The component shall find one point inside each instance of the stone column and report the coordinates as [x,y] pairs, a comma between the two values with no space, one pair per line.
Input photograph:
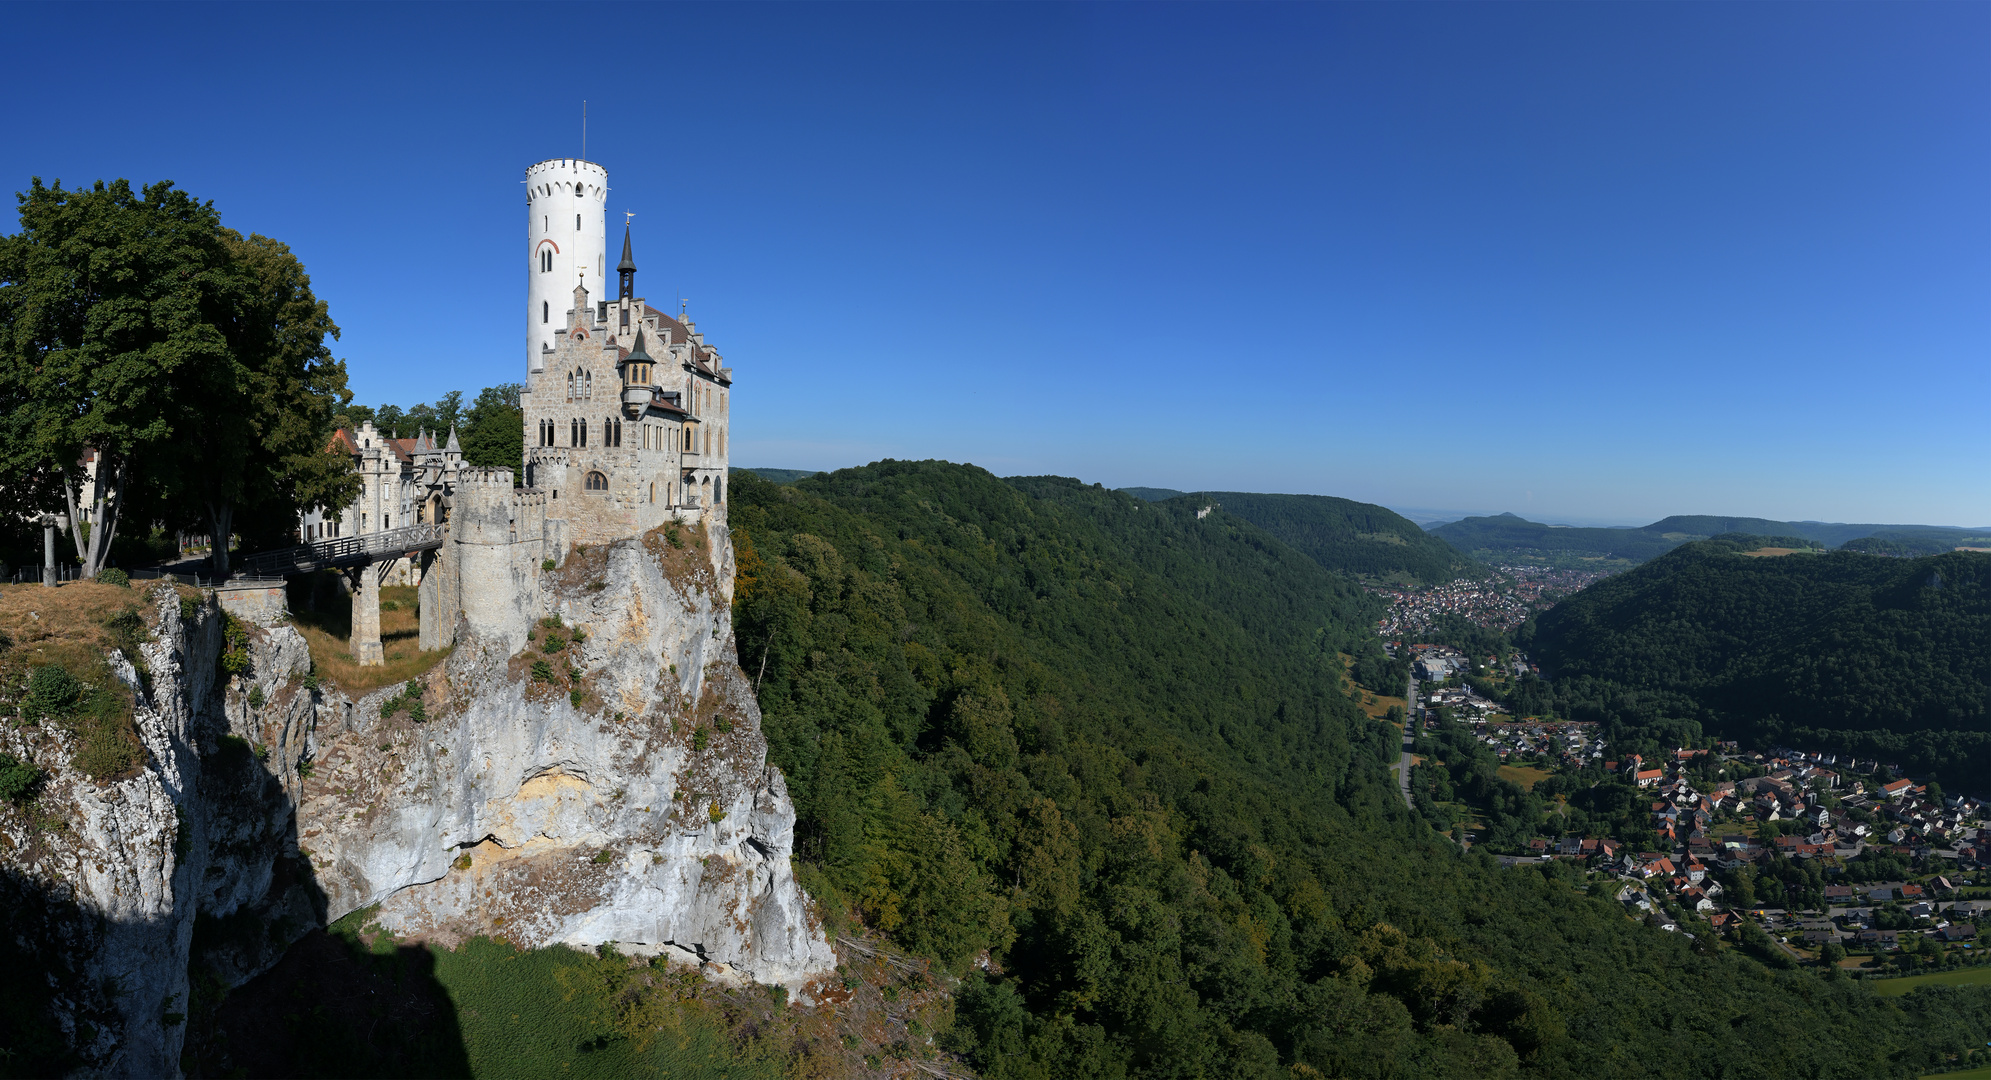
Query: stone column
[366,647]
[48,552]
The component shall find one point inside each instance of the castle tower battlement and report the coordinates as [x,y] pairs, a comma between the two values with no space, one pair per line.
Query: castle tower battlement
[566,200]
[483,510]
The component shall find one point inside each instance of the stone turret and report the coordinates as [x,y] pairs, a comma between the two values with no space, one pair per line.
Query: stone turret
[497,561]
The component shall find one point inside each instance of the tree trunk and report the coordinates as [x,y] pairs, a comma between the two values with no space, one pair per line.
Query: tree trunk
[104,512]
[222,517]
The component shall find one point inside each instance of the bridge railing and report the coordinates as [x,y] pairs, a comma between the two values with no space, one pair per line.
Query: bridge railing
[345,551]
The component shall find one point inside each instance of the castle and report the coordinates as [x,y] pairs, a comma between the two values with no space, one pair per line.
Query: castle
[626,416]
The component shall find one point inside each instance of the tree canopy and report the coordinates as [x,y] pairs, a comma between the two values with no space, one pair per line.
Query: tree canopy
[189,361]
[1103,743]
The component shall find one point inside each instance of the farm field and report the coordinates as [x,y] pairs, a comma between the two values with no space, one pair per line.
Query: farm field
[1374,706]
[1524,775]
[1974,976]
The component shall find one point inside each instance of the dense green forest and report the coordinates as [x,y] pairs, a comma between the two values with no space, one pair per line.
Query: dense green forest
[1352,537]
[1909,543]
[1880,657]
[1508,538]
[1152,494]
[1104,745]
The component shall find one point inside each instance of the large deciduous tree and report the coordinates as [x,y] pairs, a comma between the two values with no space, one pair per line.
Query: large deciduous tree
[257,449]
[110,300]
[188,360]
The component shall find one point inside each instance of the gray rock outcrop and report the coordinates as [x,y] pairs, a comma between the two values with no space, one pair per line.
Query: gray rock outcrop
[614,790]
[636,809]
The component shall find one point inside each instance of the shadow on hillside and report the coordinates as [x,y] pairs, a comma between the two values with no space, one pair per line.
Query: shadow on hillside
[33,926]
[324,1003]
[333,1008]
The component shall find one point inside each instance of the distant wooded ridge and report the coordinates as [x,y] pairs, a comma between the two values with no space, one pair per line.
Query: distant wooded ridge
[1376,542]
[778,476]
[1508,537]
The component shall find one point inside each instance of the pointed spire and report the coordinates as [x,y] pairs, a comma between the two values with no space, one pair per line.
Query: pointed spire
[452,447]
[638,353]
[625,271]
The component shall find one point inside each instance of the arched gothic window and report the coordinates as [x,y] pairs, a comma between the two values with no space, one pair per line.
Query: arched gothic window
[597,482]
[546,260]
[545,312]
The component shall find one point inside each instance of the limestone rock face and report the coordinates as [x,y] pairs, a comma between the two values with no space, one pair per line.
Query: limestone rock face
[102,890]
[644,815]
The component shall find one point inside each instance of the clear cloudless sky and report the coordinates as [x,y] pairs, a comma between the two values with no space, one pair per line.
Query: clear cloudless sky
[1582,262]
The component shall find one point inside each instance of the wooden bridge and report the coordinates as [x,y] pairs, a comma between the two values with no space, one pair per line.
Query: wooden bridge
[343,553]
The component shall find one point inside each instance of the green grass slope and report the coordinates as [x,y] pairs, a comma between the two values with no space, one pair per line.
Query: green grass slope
[1100,742]
[1877,656]
[1353,537]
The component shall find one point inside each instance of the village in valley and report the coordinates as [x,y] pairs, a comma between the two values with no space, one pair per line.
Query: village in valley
[1501,602]
[1797,853]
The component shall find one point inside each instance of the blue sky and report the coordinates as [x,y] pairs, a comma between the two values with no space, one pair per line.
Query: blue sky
[1581,262]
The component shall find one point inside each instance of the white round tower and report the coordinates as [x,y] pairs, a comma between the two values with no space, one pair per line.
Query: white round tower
[566,201]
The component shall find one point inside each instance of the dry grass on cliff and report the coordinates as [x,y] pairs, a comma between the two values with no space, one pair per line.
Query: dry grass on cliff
[326,622]
[63,625]
[74,627]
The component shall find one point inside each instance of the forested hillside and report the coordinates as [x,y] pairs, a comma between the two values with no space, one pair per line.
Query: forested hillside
[1105,744]
[1353,537]
[1877,656]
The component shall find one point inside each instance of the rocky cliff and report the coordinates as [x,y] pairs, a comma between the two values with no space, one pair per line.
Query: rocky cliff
[608,784]
[621,794]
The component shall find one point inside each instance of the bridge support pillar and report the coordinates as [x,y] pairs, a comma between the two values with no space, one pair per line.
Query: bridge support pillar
[366,647]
